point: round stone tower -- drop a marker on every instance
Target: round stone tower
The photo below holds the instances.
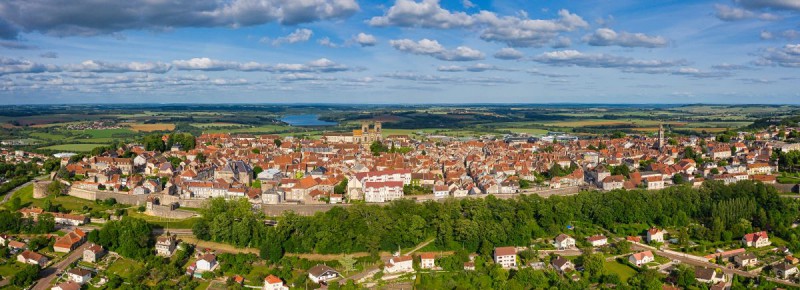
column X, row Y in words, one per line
column 40, row 188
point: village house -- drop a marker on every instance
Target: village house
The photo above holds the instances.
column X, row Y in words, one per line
column 744, row 260
column 641, row 258
column 706, row 275
column 207, row 262
column 69, row 285
column 757, row 239
column 784, row 270
column 382, row 191
column 93, row 253
column 655, row 235
column 322, row 273
column 33, row 258
column 597, row 240
column 70, row 241
column 272, row 282
column 79, row 275
column 166, row 245
column 613, row 182
column 427, row 260
column 398, row 264
column 506, row 257
column 563, row 241
column 562, row 265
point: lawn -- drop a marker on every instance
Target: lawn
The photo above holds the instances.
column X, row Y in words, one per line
column 71, row 203
column 166, row 223
column 123, row 267
column 104, row 133
column 73, row 147
column 623, row 271
column 47, row 136
column 10, row 268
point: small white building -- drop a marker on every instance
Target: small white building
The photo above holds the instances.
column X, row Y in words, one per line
column 399, row 264
column 79, row 275
column 655, row 235
column 563, row 241
column 597, row 240
column 506, row 256
column 322, row 273
column 641, row 258
column 427, row 260
column 207, row 262
column 272, row 282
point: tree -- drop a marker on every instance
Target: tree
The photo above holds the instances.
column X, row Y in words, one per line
column 592, row 264
column 277, row 142
column 26, row 276
column 16, row 203
column 348, row 263
column 377, row 148
column 200, row 157
column 341, row 188
column 677, row 179
column 55, row 188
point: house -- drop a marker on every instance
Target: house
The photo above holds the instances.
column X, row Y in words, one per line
column 744, row 260
column 70, row 241
column 322, row 273
column 506, row 256
column 165, row 245
column 79, row 275
column 562, row 265
column 655, row 235
column 4, row 240
column 33, row 258
column 757, row 239
column 427, row 260
column 597, row 240
column 563, row 241
column 207, row 262
column 93, row 253
column 784, row 270
column 706, row 275
column 272, row 282
column 469, row 266
column 16, row 246
column 641, row 258
column 440, row 191
column 613, row 182
column 69, row 285
column 634, row 239
column 399, row 264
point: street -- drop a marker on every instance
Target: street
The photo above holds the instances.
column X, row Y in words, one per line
column 50, row 273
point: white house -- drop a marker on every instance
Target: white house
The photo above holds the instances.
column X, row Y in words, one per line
column 427, row 260
column 322, row 273
column 79, row 275
column 757, row 239
column 506, row 256
column 597, row 240
column 399, row 264
column 563, row 241
column 706, row 275
column 207, row 263
column 272, row 282
column 655, row 235
column 641, row 258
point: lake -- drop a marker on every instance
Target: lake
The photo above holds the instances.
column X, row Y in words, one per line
column 305, row 120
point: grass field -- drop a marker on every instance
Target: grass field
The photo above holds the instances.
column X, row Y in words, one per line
column 529, row 131
column 48, row 136
column 123, row 267
column 166, row 223
column 216, row 125
column 255, row 129
column 623, row 271
column 73, row 147
column 104, row 133
column 10, row 268
column 71, row 203
column 152, row 127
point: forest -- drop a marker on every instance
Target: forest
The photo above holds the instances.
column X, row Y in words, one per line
column 713, row 212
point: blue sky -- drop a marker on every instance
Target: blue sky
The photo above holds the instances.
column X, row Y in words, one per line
column 355, row 51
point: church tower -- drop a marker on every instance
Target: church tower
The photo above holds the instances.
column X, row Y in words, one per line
column 661, row 136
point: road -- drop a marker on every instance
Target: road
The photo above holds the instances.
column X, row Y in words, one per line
column 50, row 273
column 702, row 262
column 13, row 191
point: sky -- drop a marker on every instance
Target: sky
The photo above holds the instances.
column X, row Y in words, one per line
column 396, row 52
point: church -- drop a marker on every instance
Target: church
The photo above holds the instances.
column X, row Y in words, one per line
column 365, row 135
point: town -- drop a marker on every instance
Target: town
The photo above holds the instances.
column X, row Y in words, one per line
column 163, row 174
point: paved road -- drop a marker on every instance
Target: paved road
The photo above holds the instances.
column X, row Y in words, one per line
column 13, row 191
column 696, row 261
column 50, row 273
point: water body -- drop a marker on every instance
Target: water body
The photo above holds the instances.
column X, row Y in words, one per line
column 306, row 120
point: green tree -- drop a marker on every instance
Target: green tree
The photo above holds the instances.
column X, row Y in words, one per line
column 26, row 276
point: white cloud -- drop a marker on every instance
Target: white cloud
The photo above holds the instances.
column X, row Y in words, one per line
column 770, row 4
column 467, row 4
column 609, row 37
column 786, row 56
column 90, row 17
column 577, row 58
column 433, row 48
column 326, row 41
column 508, row 53
column 365, row 39
column 207, row 64
column 478, row 67
column 729, row 13
column 106, row 67
column 299, row 35
column 516, row 31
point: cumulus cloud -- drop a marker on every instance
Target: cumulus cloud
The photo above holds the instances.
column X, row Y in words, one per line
column 478, row 67
column 107, row 67
column 433, row 48
column 299, row 35
column 562, row 42
column 786, row 56
column 516, row 31
column 296, row 77
column 508, row 53
column 326, row 41
column 364, row 39
column 89, row 17
column 609, row 37
column 729, row 13
column 15, row 66
column 577, row 58
column 323, row 65
column 789, row 34
column 728, row 66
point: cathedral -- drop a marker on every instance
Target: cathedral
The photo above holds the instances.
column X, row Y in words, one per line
column 365, row 135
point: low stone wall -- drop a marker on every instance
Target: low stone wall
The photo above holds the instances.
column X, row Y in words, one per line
column 166, row 212
column 123, row 198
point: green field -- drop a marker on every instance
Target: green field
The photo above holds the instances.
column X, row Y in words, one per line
column 529, row 131
column 123, row 267
column 166, row 223
column 10, row 268
column 71, row 203
column 623, row 271
column 103, row 133
column 48, row 136
column 73, row 147
column 255, row 129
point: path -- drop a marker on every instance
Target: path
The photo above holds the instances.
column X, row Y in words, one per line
column 420, row 246
column 11, row 193
column 50, row 273
column 373, row 269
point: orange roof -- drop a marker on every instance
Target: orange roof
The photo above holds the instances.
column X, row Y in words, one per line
column 272, row 279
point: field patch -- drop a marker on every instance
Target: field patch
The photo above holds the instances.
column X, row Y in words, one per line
column 73, row 147
column 623, row 271
column 152, row 127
